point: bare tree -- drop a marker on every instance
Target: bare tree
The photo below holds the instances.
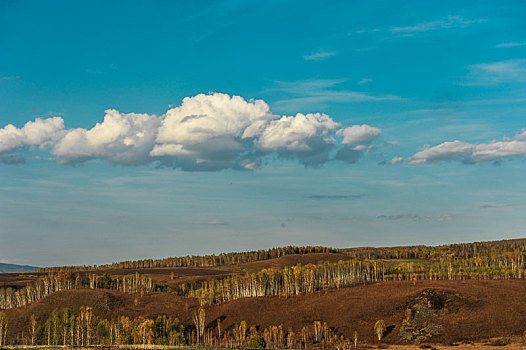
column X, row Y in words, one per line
column 199, row 322
column 379, row 329
column 3, row 328
column 33, row 328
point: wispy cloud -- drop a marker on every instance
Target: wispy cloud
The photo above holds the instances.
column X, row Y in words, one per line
column 315, row 92
column 336, row 196
column 413, row 216
column 508, row 45
column 365, row 81
column 493, row 205
column 396, row 160
column 320, row 55
column 494, row 73
column 444, row 23
column 12, row 77
column 213, row 222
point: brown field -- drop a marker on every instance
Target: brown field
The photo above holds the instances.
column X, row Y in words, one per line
column 481, row 309
column 18, row 280
column 290, row 260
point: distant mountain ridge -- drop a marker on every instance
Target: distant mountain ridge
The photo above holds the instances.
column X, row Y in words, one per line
column 13, row 268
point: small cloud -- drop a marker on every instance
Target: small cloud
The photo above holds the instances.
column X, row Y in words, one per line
column 444, row 23
column 508, row 45
column 359, row 134
column 413, row 216
column 493, row 205
column 213, row 222
column 396, row 160
column 336, row 196
column 494, row 73
column 316, row 92
column 365, row 81
column 12, row 77
column 468, row 153
column 320, row 55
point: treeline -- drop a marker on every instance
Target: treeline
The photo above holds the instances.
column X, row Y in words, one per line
column 485, row 260
column 63, row 328
column 510, row 253
column 198, row 261
column 290, row 281
column 298, row 279
column 132, row 283
column 446, row 269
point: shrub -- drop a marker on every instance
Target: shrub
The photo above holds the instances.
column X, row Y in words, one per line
column 256, row 342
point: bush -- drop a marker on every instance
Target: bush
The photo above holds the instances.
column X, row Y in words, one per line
column 256, row 342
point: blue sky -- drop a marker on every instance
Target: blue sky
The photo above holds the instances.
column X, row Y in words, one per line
column 137, row 130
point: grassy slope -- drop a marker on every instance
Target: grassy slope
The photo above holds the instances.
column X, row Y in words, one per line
column 487, row 308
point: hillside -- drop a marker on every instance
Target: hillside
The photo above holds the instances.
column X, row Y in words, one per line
column 290, row 297
column 13, row 268
column 460, row 310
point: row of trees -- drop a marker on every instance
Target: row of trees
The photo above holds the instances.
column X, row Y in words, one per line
column 486, row 260
column 290, row 281
column 298, row 279
column 62, row 327
column 287, row 281
column 132, row 283
column 506, row 253
column 198, row 261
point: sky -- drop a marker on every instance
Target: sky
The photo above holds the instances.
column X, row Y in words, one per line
column 134, row 129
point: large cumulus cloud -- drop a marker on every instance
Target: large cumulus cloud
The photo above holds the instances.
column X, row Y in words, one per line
column 34, row 133
column 121, row 139
column 206, row 132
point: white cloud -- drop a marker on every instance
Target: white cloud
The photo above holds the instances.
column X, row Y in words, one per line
column 508, row 71
column 521, row 136
column 508, row 45
column 443, row 23
column 33, row 133
column 294, row 133
column 320, row 55
column 359, row 134
column 212, row 131
column 121, row 139
column 316, row 92
column 472, row 153
column 202, row 117
column 445, row 151
column 498, row 150
column 206, row 132
column 396, row 160
column 365, row 81
column 414, row 216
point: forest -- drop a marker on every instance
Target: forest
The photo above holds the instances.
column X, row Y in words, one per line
column 483, row 260
column 84, row 329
